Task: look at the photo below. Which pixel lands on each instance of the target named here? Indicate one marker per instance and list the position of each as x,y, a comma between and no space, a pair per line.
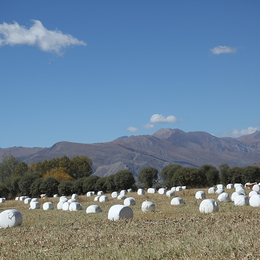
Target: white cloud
132,129
237,133
149,126
36,35
223,49
160,119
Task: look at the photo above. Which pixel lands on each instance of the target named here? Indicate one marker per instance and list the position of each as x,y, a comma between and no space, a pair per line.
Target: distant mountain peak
165,133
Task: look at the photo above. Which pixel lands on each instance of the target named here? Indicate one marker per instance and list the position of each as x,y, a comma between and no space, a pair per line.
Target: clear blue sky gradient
141,58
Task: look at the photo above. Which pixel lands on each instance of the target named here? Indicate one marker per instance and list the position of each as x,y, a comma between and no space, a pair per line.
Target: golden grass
171,232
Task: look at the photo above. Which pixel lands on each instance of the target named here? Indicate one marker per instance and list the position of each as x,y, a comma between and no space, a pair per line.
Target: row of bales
124,206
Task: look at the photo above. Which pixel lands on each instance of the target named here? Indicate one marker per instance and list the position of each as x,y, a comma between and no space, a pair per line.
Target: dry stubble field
171,232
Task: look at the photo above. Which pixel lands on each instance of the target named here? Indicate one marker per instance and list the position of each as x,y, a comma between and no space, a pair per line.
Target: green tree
20,169
12,185
65,188
80,166
38,187
110,183
7,167
78,186
212,174
237,174
101,184
148,176
167,173
224,175
26,182
51,186
124,179
251,174
89,183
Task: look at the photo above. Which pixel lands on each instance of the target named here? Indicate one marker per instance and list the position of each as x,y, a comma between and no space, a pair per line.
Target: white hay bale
100,193
35,205
148,206
219,191
173,188
169,193
211,190
103,198
10,218
241,200
129,201
178,188
140,191
34,199
74,196
114,194
63,199
256,187
60,205
129,190
93,209
117,212
151,190
224,197
236,185
254,201
235,194
90,193
123,192
97,198
75,206
184,187
72,200
200,195
121,197
241,191
230,186
17,198
66,205
22,198
27,201
48,206
162,191
220,186
252,193
208,206
2,200
177,201
55,196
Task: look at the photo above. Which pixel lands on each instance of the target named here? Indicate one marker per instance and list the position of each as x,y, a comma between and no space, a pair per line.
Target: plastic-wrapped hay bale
103,198
241,191
177,201
200,195
220,186
169,193
256,187
75,206
93,209
2,200
10,218
129,201
241,200
219,191
121,197
100,193
47,206
230,186
22,198
236,185
235,194
254,201
66,205
123,192
97,198
211,190
72,200
129,190
148,206
55,196
224,197
34,199
184,187
63,199
208,206
162,191
173,188
252,193
74,196
178,188
117,212
27,201
17,198
114,194
60,205
151,190
35,205
140,191
90,193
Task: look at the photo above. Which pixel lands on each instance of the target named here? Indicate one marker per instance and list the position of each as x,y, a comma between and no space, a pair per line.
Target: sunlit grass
171,232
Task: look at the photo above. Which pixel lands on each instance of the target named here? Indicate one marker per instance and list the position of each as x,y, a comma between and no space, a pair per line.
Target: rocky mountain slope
164,147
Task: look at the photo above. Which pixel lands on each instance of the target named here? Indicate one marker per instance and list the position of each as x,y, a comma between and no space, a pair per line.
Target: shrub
51,186
89,183
26,182
38,187
65,188
124,179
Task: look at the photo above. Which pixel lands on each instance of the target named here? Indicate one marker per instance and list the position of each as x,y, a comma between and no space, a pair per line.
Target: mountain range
164,147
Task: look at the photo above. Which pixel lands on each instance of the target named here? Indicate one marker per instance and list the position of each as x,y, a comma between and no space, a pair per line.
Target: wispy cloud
223,49
132,129
149,126
37,35
237,133
160,119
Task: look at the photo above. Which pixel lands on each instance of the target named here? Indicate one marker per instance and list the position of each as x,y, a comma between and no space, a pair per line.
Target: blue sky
92,71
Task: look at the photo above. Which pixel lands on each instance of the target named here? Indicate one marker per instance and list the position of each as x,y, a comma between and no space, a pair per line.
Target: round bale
93,209
10,218
117,212
241,200
200,195
208,206
129,201
148,206
224,197
47,206
140,191
177,201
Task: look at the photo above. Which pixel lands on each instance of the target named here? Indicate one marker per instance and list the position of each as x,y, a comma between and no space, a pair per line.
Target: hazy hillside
164,147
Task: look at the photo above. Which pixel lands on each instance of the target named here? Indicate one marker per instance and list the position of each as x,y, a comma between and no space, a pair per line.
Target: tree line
65,176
